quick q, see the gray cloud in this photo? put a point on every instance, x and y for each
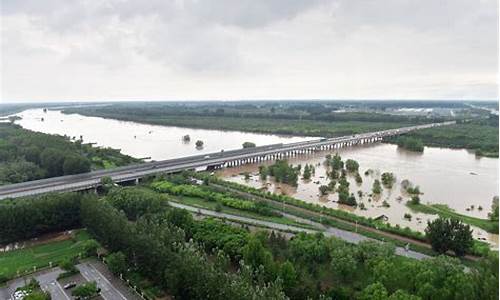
(250, 48)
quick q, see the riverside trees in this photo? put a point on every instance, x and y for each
(197, 259)
(248, 145)
(26, 155)
(284, 172)
(449, 234)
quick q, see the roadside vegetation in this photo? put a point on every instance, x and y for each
(346, 220)
(306, 266)
(26, 155)
(174, 254)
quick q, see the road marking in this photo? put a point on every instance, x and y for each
(85, 275)
(92, 268)
(61, 289)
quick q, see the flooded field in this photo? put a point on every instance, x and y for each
(445, 176)
(456, 178)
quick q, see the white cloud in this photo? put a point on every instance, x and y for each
(225, 49)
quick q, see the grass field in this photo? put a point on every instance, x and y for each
(23, 260)
(446, 212)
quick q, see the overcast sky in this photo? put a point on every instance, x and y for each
(55, 50)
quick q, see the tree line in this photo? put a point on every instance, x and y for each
(26, 155)
(200, 259)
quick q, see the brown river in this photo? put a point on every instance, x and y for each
(456, 178)
(445, 176)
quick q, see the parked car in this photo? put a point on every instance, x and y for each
(69, 285)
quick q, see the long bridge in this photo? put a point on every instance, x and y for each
(214, 160)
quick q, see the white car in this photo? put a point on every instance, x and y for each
(19, 295)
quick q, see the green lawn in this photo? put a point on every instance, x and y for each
(24, 260)
(446, 212)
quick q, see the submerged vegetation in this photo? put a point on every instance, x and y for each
(446, 212)
(283, 172)
(409, 143)
(190, 258)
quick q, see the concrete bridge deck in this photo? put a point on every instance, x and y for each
(212, 160)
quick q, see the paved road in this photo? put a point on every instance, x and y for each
(111, 287)
(48, 282)
(345, 235)
(92, 179)
(92, 270)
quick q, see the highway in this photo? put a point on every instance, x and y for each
(128, 173)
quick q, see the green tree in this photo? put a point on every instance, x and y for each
(255, 255)
(288, 274)
(351, 165)
(403, 295)
(86, 290)
(90, 247)
(307, 172)
(493, 215)
(415, 200)
(263, 172)
(199, 143)
(38, 295)
(336, 162)
(374, 291)
(182, 219)
(68, 265)
(358, 178)
(449, 234)
(248, 145)
(410, 143)
(52, 160)
(343, 263)
(117, 263)
(323, 189)
(388, 179)
(284, 172)
(377, 188)
(75, 164)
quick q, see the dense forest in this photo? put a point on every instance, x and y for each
(298, 118)
(206, 258)
(26, 155)
(319, 118)
(478, 135)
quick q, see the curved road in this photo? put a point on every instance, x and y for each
(348, 236)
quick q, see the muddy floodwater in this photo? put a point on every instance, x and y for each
(143, 140)
(456, 178)
(445, 176)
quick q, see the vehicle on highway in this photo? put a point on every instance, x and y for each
(206, 156)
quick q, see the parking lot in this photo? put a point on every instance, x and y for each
(91, 270)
